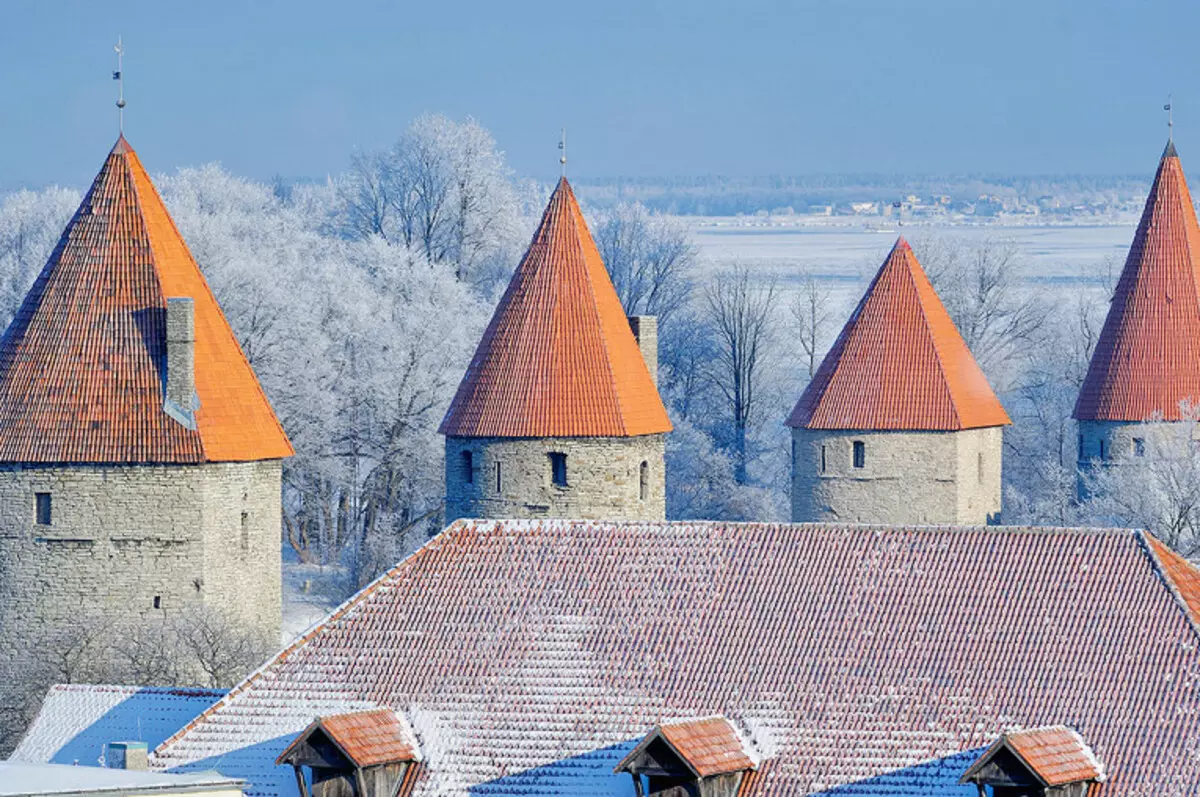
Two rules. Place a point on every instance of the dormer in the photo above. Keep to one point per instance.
(361, 754)
(1043, 762)
(691, 758)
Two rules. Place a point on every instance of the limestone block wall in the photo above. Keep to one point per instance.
(137, 544)
(906, 478)
(1105, 443)
(604, 478)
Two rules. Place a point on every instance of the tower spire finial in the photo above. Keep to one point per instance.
(1170, 120)
(119, 76)
(562, 148)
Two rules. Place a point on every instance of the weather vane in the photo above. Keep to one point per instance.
(562, 148)
(119, 76)
(1170, 119)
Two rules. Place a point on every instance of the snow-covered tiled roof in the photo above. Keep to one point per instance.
(77, 720)
(530, 657)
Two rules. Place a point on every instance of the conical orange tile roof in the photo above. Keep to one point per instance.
(82, 364)
(1147, 359)
(558, 358)
(899, 363)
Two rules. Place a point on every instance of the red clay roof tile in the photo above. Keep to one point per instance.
(558, 358)
(710, 746)
(535, 654)
(899, 363)
(368, 738)
(1056, 755)
(81, 363)
(1147, 359)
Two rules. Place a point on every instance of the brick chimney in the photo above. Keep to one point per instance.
(645, 329)
(127, 755)
(180, 398)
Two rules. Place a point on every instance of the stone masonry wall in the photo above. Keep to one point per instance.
(907, 477)
(1107, 442)
(123, 538)
(603, 478)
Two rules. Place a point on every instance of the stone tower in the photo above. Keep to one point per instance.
(139, 458)
(558, 414)
(1147, 359)
(899, 424)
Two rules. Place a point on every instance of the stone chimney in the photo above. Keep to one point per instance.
(127, 755)
(645, 329)
(180, 394)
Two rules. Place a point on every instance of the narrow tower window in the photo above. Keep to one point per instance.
(822, 459)
(467, 464)
(1081, 446)
(499, 483)
(42, 506)
(245, 531)
(860, 454)
(1102, 448)
(980, 467)
(1139, 446)
(558, 468)
(644, 480)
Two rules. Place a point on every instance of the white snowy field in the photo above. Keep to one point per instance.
(844, 253)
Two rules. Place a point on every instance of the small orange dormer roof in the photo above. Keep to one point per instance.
(558, 358)
(899, 363)
(82, 363)
(1147, 359)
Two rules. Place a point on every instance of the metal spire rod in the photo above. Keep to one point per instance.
(562, 147)
(1170, 119)
(119, 76)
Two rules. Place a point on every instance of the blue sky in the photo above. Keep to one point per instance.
(645, 88)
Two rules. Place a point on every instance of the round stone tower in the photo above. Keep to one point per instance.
(139, 458)
(1147, 359)
(899, 424)
(558, 414)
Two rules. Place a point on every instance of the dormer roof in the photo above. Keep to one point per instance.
(1054, 755)
(899, 363)
(366, 738)
(706, 747)
(1147, 359)
(558, 358)
(82, 365)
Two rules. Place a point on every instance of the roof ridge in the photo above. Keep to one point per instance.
(910, 259)
(594, 305)
(227, 327)
(1149, 545)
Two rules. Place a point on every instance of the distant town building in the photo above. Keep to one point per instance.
(549, 658)
(558, 414)
(139, 458)
(1147, 359)
(899, 424)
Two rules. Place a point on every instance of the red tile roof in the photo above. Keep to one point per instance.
(1056, 755)
(709, 746)
(1147, 359)
(368, 738)
(81, 364)
(899, 363)
(558, 358)
(530, 657)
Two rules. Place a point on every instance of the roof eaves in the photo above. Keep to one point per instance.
(655, 733)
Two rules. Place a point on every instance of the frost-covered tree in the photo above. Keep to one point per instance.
(31, 223)
(1155, 487)
(444, 190)
(650, 258)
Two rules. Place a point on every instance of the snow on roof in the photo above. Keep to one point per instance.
(531, 657)
(21, 779)
(77, 720)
